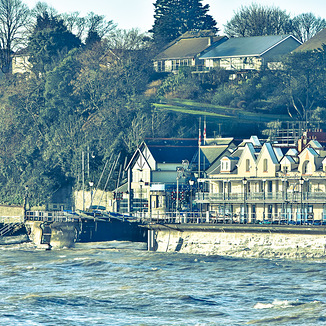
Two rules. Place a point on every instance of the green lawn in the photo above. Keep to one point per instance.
(218, 112)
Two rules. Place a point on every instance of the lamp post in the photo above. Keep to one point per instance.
(141, 197)
(91, 184)
(191, 183)
(264, 197)
(301, 196)
(284, 180)
(180, 171)
(25, 201)
(244, 181)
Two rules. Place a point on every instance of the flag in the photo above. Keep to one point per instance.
(199, 138)
(204, 131)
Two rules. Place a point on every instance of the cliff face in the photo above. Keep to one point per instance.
(242, 244)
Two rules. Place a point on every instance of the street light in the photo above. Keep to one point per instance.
(301, 181)
(141, 197)
(191, 183)
(180, 171)
(264, 197)
(91, 184)
(284, 180)
(25, 200)
(244, 181)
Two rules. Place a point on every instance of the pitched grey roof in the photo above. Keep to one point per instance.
(189, 47)
(245, 46)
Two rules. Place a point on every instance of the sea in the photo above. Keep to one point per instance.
(121, 283)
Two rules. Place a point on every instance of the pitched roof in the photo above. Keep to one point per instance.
(287, 159)
(271, 153)
(173, 150)
(246, 46)
(278, 152)
(189, 47)
(310, 150)
(314, 43)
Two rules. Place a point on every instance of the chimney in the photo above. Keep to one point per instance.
(210, 40)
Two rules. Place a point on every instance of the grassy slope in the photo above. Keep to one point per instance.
(218, 113)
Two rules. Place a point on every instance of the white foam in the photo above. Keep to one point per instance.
(260, 305)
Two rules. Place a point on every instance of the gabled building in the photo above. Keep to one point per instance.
(185, 51)
(162, 173)
(268, 183)
(249, 53)
(156, 169)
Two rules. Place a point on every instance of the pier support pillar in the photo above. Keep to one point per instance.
(151, 242)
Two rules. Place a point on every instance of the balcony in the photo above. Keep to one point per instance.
(268, 197)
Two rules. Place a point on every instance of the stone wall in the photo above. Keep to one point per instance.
(99, 198)
(11, 214)
(242, 244)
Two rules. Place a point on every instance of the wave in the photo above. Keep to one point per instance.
(282, 304)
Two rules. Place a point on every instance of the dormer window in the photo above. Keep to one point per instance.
(225, 166)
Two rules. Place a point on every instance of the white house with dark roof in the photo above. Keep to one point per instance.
(249, 53)
(154, 170)
(185, 51)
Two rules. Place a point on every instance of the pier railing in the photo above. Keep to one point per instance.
(215, 217)
(53, 216)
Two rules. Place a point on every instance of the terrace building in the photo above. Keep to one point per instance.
(268, 183)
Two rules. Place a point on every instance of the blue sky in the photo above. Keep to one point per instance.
(139, 13)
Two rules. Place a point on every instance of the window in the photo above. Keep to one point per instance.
(247, 165)
(225, 166)
(306, 168)
(285, 169)
(265, 165)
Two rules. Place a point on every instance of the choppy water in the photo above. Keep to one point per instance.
(116, 283)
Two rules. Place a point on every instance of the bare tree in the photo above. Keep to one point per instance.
(14, 19)
(257, 20)
(131, 39)
(75, 24)
(307, 25)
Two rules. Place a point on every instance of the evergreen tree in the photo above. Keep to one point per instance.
(175, 17)
(49, 41)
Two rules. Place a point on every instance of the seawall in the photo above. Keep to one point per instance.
(260, 241)
(55, 234)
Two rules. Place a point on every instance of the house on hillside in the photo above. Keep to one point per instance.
(249, 53)
(314, 43)
(20, 62)
(185, 50)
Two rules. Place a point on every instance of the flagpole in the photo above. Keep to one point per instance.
(199, 143)
(205, 131)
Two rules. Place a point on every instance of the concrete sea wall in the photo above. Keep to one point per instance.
(296, 242)
(55, 234)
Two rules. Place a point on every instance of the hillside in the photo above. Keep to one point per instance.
(230, 121)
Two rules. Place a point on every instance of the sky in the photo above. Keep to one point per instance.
(129, 14)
